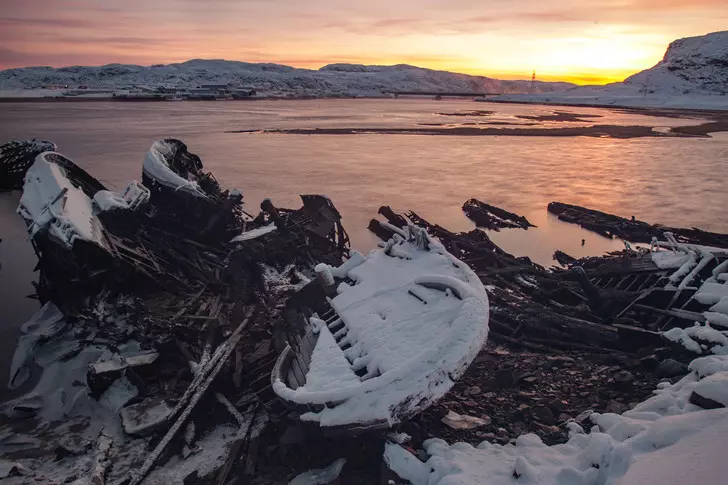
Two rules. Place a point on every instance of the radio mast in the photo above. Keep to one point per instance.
(533, 82)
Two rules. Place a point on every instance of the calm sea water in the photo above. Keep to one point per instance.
(671, 181)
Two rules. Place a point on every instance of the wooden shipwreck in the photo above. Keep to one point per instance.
(388, 335)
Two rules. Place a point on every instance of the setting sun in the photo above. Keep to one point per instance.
(596, 41)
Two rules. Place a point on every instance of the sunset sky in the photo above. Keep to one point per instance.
(585, 41)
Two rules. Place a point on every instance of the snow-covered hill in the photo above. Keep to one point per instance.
(692, 65)
(266, 79)
(693, 74)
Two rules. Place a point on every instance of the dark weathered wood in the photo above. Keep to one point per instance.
(393, 218)
(379, 230)
(192, 396)
(492, 217)
(673, 312)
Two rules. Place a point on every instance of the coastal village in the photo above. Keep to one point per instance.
(204, 92)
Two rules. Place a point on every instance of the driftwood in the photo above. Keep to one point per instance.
(563, 259)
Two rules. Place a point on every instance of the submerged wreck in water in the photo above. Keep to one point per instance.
(176, 327)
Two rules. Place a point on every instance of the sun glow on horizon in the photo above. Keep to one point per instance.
(580, 41)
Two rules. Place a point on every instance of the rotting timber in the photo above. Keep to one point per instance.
(598, 304)
(588, 335)
(15, 159)
(612, 226)
(491, 217)
(212, 316)
(199, 307)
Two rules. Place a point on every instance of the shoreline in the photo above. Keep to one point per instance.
(598, 131)
(71, 99)
(635, 109)
(613, 107)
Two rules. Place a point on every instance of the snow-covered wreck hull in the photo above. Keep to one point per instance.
(388, 337)
(159, 335)
(187, 198)
(66, 233)
(142, 316)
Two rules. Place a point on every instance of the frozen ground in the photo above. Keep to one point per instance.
(665, 440)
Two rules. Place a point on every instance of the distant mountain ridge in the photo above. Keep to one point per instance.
(269, 79)
(693, 64)
(693, 74)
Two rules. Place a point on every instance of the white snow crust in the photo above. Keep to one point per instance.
(134, 196)
(329, 368)
(669, 259)
(51, 203)
(414, 318)
(320, 476)
(156, 167)
(617, 450)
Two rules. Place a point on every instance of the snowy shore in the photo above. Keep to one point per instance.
(672, 438)
(619, 97)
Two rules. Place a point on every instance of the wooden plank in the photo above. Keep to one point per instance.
(298, 371)
(308, 344)
(291, 379)
(673, 312)
(191, 397)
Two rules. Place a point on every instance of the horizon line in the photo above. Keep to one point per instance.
(593, 78)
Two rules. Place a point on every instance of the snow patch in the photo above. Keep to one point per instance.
(156, 167)
(619, 449)
(669, 259)
(254, 233)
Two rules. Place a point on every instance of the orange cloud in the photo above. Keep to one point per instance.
(585, 40)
